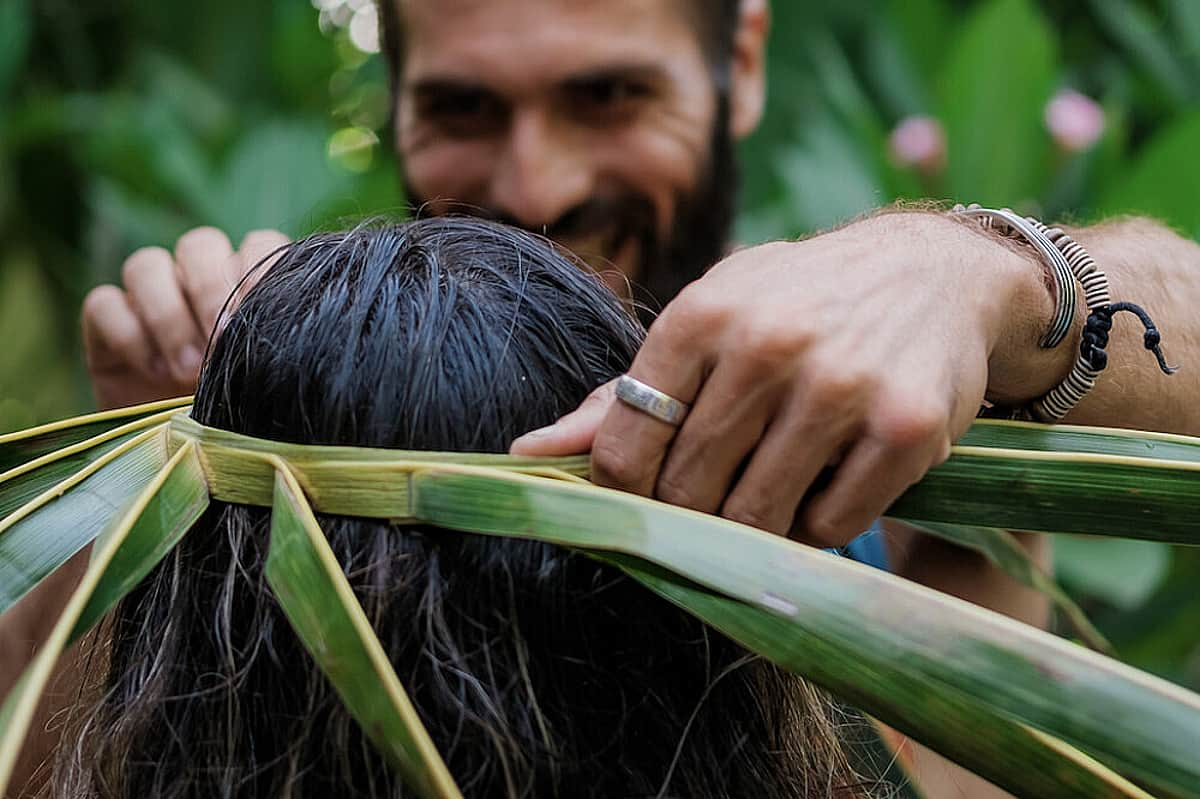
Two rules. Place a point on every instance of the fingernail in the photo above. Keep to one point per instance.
(189, 360)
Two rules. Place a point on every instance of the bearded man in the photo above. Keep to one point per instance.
(861, 354)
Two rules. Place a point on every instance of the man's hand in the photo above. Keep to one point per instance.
(145, 341)
(867, 349)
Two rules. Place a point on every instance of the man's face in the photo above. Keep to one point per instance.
(596, 122)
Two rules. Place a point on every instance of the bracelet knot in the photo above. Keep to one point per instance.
(1094, 340)
(1099, 323)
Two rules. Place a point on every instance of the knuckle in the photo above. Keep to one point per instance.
(143, 262)
(611, 463)
(603, 395)
(165, 325)
(835, 388)
(674, 489)
(206, 293)
(942, 454)
(826, 529)
(750, 514)
(123, 340)
(904, 426)
(767, 345)
(697, 310)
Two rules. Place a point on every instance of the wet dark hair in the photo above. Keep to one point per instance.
(538, 672)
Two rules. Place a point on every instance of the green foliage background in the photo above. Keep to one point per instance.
(124, 124)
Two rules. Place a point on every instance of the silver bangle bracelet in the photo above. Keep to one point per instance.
(1064, 256)
(1007, 223)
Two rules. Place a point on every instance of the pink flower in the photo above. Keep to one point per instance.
(919, 141)
(1074, 120)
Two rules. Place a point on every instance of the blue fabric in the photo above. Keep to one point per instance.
(868, 548)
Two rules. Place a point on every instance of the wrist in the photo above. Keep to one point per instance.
(1003, 288)
(1018, 309)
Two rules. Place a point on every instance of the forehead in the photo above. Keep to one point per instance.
(523, 43)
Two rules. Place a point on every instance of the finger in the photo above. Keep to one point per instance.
(573, 433)
(259, 251)
(152, 286)
(872, 477)
(202, 256)
(726, 423)
(796, 447)
(114, 339)
(630, 445)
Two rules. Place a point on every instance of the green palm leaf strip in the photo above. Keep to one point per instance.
(26, 445)
(1014, 756)
(1003, 550)
(973, 685)
(1079, 492)
(1004, 434)
(866, 620)
(317, 599)
(1103, 491)
(27, 480)
(60, 521)
(135, 539)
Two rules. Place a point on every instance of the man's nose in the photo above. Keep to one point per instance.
(542, 173)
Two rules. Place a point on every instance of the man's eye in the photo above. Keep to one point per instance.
(607, 96)
(463, 112)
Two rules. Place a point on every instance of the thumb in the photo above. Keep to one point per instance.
(573, 433)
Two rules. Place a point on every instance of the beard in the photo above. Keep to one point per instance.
(696, 238)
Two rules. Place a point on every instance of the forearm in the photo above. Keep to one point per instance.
(1150, 265)
(1147, 264)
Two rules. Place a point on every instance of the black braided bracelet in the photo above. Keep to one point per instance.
(1093, 357)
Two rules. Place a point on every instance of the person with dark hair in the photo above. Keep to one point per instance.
(861, 353)
(539, 673)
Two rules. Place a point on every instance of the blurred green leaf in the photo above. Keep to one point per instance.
(1185, 17)
(921, 26)
(301, 81)
(28, 328)
(995, 84)
(1121, 572)
(140, 142)
(893, 73)
(1161, 634)
(845, 95)
(1162, 181)
(277, 177)
(15, 32)
(124, 219)
(828, 179)
(1141, 35)
(198, 106)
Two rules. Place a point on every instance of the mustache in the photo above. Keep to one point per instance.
(621, 217)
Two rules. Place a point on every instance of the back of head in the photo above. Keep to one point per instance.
(538, 672)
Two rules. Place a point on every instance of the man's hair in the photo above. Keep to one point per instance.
(538, 672)
(716, 22)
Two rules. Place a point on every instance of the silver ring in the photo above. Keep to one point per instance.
(650, 400)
